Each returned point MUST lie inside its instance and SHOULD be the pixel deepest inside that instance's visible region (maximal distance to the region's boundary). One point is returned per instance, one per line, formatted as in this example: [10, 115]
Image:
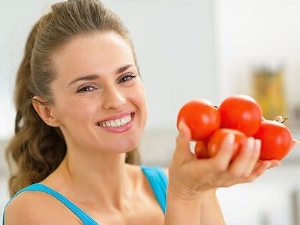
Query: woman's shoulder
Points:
[34, 207]
[140, 170]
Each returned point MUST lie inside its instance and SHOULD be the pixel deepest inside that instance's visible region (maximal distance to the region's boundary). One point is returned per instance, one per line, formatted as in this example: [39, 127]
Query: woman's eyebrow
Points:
[94, 76]
[124, 68]
[85, 78]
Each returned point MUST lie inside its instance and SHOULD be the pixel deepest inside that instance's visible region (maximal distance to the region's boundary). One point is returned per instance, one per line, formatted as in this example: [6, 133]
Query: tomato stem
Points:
[280, 119]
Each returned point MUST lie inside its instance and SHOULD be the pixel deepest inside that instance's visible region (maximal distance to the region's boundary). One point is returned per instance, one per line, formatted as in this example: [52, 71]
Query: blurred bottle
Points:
[268, 88]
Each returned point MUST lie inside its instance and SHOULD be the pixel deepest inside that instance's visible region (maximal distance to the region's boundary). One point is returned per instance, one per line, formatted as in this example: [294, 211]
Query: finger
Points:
[255, 157]
[294, 143]
[225, 153]
[261, 167]
[274, 163]
[245, 162]
[183, 141]
[184, 131]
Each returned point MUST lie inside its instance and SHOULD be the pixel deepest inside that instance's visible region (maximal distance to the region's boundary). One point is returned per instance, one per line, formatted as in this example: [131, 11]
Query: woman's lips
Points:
[117, 124]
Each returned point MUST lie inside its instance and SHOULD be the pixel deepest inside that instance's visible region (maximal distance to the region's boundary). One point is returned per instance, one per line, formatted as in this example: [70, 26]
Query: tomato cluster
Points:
[240, 115]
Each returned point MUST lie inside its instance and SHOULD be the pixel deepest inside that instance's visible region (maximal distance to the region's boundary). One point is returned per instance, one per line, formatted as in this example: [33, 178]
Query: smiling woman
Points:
[81, 111]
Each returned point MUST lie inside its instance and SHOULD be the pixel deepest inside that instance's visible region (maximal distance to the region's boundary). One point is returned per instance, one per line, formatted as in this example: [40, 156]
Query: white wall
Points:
[266, 201]
[174, 42]
[255, 32]
[16, 20]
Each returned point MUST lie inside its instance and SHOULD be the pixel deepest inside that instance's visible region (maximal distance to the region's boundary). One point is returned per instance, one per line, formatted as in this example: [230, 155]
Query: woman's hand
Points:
[192, 181]
[189, 176]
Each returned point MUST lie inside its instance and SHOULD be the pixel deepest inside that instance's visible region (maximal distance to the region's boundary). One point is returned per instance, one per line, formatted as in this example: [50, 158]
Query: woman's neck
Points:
[104, 178]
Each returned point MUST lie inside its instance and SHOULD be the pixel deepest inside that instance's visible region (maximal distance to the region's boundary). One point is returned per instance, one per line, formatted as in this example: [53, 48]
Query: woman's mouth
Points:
[118, 122]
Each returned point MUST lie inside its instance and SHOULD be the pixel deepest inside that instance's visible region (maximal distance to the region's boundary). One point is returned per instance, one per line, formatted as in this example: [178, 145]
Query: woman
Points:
[81, 111]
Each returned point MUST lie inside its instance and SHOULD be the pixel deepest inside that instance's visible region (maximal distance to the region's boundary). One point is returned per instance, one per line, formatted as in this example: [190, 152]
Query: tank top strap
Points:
[158, 182]
[85, 218]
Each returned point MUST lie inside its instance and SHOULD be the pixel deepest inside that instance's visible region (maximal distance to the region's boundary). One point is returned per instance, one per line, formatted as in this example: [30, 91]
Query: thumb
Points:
[183, 140]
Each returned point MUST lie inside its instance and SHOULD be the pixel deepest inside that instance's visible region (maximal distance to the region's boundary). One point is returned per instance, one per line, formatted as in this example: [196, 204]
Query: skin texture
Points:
[97, 80]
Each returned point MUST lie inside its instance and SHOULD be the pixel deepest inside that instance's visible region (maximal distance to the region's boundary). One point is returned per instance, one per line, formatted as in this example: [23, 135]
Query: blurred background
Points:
[195, 49]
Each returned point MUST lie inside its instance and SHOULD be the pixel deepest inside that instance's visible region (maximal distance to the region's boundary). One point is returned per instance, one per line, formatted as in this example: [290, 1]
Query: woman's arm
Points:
[211, 212]
[182, 210]
[203, 209]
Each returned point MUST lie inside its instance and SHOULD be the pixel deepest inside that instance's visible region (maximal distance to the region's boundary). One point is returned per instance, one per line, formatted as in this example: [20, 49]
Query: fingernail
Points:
[257, 144]
[268, 164]
[180, 124]
[230, 138]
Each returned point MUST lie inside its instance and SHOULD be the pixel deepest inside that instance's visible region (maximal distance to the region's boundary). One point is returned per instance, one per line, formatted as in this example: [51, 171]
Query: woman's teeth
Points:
[116, 123]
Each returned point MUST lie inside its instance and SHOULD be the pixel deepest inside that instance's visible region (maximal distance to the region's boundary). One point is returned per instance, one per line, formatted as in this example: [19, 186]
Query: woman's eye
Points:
[126, 78]
[83, 89]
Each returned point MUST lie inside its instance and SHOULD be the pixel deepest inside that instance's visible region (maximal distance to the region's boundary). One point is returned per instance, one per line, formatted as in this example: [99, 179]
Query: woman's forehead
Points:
[98, 53]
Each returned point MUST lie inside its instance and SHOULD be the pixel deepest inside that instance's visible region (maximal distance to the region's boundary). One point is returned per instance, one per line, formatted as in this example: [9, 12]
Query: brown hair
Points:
[37, 149]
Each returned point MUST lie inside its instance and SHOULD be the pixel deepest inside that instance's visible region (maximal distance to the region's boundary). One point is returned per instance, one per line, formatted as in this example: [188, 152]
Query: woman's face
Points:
[99, 98]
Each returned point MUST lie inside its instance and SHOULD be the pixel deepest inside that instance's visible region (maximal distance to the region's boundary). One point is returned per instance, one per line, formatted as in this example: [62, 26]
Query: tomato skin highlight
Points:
[241, 112]
[276, 140]
[216, 139]
[201, 116]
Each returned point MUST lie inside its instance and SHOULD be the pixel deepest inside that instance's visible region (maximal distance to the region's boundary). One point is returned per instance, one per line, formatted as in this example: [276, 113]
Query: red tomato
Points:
[218, 136]
[241, 112]
[201, 150]
[201, 116]
[276, 140]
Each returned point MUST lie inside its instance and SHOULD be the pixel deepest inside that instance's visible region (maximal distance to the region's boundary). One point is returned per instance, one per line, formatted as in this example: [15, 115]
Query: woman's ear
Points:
[45, 111]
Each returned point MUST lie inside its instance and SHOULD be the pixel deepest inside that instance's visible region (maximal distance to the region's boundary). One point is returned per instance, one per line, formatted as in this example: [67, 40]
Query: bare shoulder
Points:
[136, 169]
[37, 208]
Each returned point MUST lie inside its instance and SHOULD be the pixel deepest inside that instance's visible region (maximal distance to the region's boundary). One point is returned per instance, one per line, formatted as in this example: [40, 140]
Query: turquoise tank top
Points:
[155, 175]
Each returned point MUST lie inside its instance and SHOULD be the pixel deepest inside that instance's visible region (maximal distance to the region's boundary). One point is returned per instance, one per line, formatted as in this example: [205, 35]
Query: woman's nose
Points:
[113, 98]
